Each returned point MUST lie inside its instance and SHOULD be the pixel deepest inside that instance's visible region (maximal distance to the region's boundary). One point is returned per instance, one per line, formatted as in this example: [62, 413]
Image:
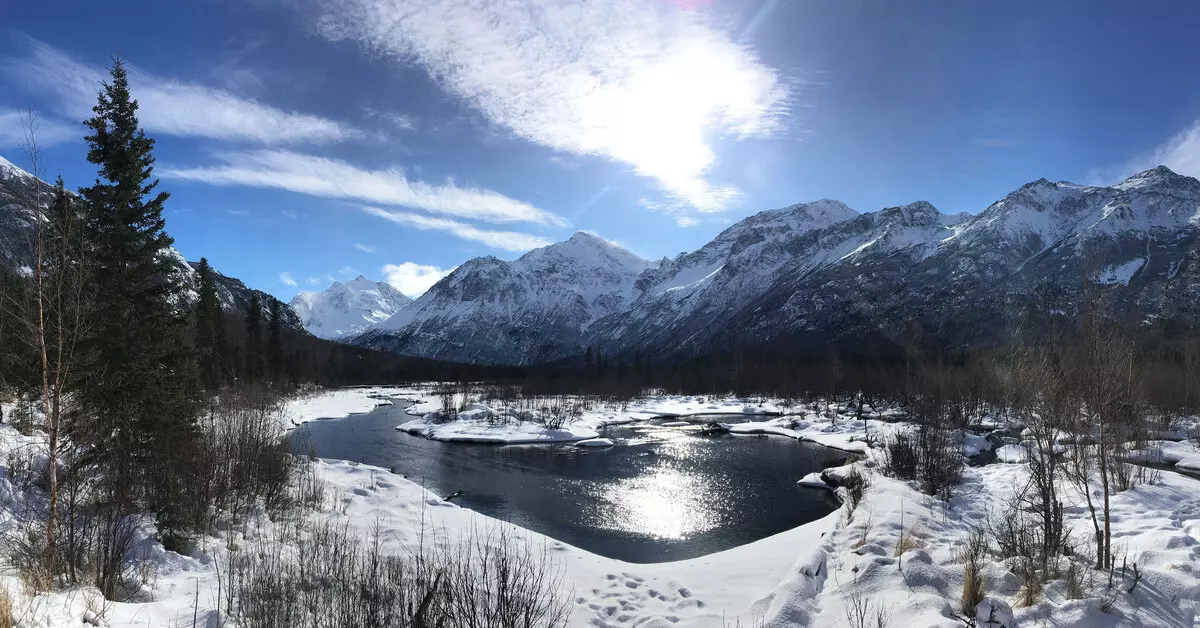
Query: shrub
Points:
[930, 455]
[856, 485]
[487, 579]
[972, 555]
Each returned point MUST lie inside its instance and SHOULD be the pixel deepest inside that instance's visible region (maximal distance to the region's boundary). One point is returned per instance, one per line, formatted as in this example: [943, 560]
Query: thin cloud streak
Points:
[49, 131]
[330, 178]
[169, 106]
[644, 83]
[504, 240]
[287, 280]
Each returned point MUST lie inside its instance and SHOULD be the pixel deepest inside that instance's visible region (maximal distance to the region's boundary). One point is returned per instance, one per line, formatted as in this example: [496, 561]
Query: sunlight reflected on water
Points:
[665, 501]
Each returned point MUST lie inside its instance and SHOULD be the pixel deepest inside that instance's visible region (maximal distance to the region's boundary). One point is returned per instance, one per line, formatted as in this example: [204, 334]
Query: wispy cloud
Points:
[14, 125]
[504, 240]
[1180, 152]
[364, 248]
[318, 176]
[286, 279]
[673, 209]
[398, 121]
[167, 105]
[237, 212]
[413, 279]
[290, 215]
[348, 271]
[645, 83]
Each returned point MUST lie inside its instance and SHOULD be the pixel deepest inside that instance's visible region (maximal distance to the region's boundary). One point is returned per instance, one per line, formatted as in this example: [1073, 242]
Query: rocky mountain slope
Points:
[819, 275]
[533, 309]
[348, 309]
[18, 196]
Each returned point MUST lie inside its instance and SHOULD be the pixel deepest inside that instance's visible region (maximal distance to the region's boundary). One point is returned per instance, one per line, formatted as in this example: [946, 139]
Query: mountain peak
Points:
[587, 236]
[587, 248]
[1159, 177]
[349, 308]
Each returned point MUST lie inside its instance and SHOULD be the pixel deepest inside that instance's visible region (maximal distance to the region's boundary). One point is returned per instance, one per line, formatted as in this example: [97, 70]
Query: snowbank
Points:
[340, 403]
[1184, 455]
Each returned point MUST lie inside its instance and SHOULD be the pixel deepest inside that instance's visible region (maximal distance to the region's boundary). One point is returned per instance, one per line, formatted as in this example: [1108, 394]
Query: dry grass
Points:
[972, 555]
[6, 609]
[910, 539]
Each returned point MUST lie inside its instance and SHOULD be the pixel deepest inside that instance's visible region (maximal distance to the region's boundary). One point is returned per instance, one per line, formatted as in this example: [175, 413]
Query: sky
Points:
[307, 141]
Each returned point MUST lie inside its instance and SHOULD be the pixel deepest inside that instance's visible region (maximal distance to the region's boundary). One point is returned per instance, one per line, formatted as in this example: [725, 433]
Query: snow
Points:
[805, 576]
[337, 404]
[477, 428]
[1180, 454]
[595, 442]
[1012, 454]
[347, 309]
[1121, 273]
[813, 480]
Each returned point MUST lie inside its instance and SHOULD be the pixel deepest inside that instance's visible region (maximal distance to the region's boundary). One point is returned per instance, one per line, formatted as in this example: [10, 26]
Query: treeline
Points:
[1164, 363]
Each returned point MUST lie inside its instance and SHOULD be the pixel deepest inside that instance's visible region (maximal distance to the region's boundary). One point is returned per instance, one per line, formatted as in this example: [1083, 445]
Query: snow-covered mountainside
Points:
[348, 309]
[819, 275]
[534, 309]
[19, 192]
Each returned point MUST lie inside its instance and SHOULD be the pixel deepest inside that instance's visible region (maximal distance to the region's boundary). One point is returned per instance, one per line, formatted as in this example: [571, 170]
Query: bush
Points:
[930, 455]
[856, 485]
[489, 579]
[972, 555]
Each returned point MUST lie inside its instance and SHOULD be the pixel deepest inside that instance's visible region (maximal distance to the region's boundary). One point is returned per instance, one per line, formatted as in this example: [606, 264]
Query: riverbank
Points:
[895, 554]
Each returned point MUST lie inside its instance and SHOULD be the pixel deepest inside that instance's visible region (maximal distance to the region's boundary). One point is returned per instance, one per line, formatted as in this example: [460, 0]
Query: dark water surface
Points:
[660, 494]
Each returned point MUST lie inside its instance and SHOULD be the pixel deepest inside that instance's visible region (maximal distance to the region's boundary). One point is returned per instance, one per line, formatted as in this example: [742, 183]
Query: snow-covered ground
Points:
[492, 422]
[808, 576]
[337, 404]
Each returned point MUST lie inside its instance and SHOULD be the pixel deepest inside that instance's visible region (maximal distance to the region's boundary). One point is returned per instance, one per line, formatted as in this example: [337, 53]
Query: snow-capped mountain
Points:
[348, 309]
[18, 197]
[536, 308]
[971, 282]
[817, 275]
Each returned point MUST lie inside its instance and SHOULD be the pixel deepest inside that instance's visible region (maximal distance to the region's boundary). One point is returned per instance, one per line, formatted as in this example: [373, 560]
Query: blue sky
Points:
[308, 140]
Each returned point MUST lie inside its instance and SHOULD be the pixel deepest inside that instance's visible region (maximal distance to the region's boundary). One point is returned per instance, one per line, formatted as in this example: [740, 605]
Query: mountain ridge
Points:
[820, 273]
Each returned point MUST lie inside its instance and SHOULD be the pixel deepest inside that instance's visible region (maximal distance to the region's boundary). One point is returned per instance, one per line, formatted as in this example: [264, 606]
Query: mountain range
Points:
[819, 275]
[808, 277]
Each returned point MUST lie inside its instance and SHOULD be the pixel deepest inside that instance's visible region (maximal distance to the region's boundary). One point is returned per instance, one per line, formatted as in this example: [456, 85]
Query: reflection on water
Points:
[663, 503]
[660, 494]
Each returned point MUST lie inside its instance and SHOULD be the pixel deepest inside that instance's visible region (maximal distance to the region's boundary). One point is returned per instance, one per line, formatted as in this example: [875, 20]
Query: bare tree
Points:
[1044, 403]
[55, 318]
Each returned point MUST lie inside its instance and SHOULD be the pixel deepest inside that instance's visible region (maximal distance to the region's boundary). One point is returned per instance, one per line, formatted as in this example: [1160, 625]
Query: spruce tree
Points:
[143, 388]
[254, 352]
[210, 328]
[275, 343]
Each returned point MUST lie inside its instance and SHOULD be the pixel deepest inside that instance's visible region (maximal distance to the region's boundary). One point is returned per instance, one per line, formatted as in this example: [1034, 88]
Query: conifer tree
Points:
[143, 389]
[275, 343]
[210, 328]
[254, 348]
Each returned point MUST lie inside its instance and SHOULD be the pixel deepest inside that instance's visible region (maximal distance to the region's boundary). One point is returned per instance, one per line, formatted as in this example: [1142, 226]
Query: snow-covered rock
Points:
[595, 442]
[347, 309]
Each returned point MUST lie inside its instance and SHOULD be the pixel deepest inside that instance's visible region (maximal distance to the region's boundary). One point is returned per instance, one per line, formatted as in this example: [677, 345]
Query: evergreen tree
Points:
[142, 389]
[254, 348]
[210, 328]
[275, 343]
